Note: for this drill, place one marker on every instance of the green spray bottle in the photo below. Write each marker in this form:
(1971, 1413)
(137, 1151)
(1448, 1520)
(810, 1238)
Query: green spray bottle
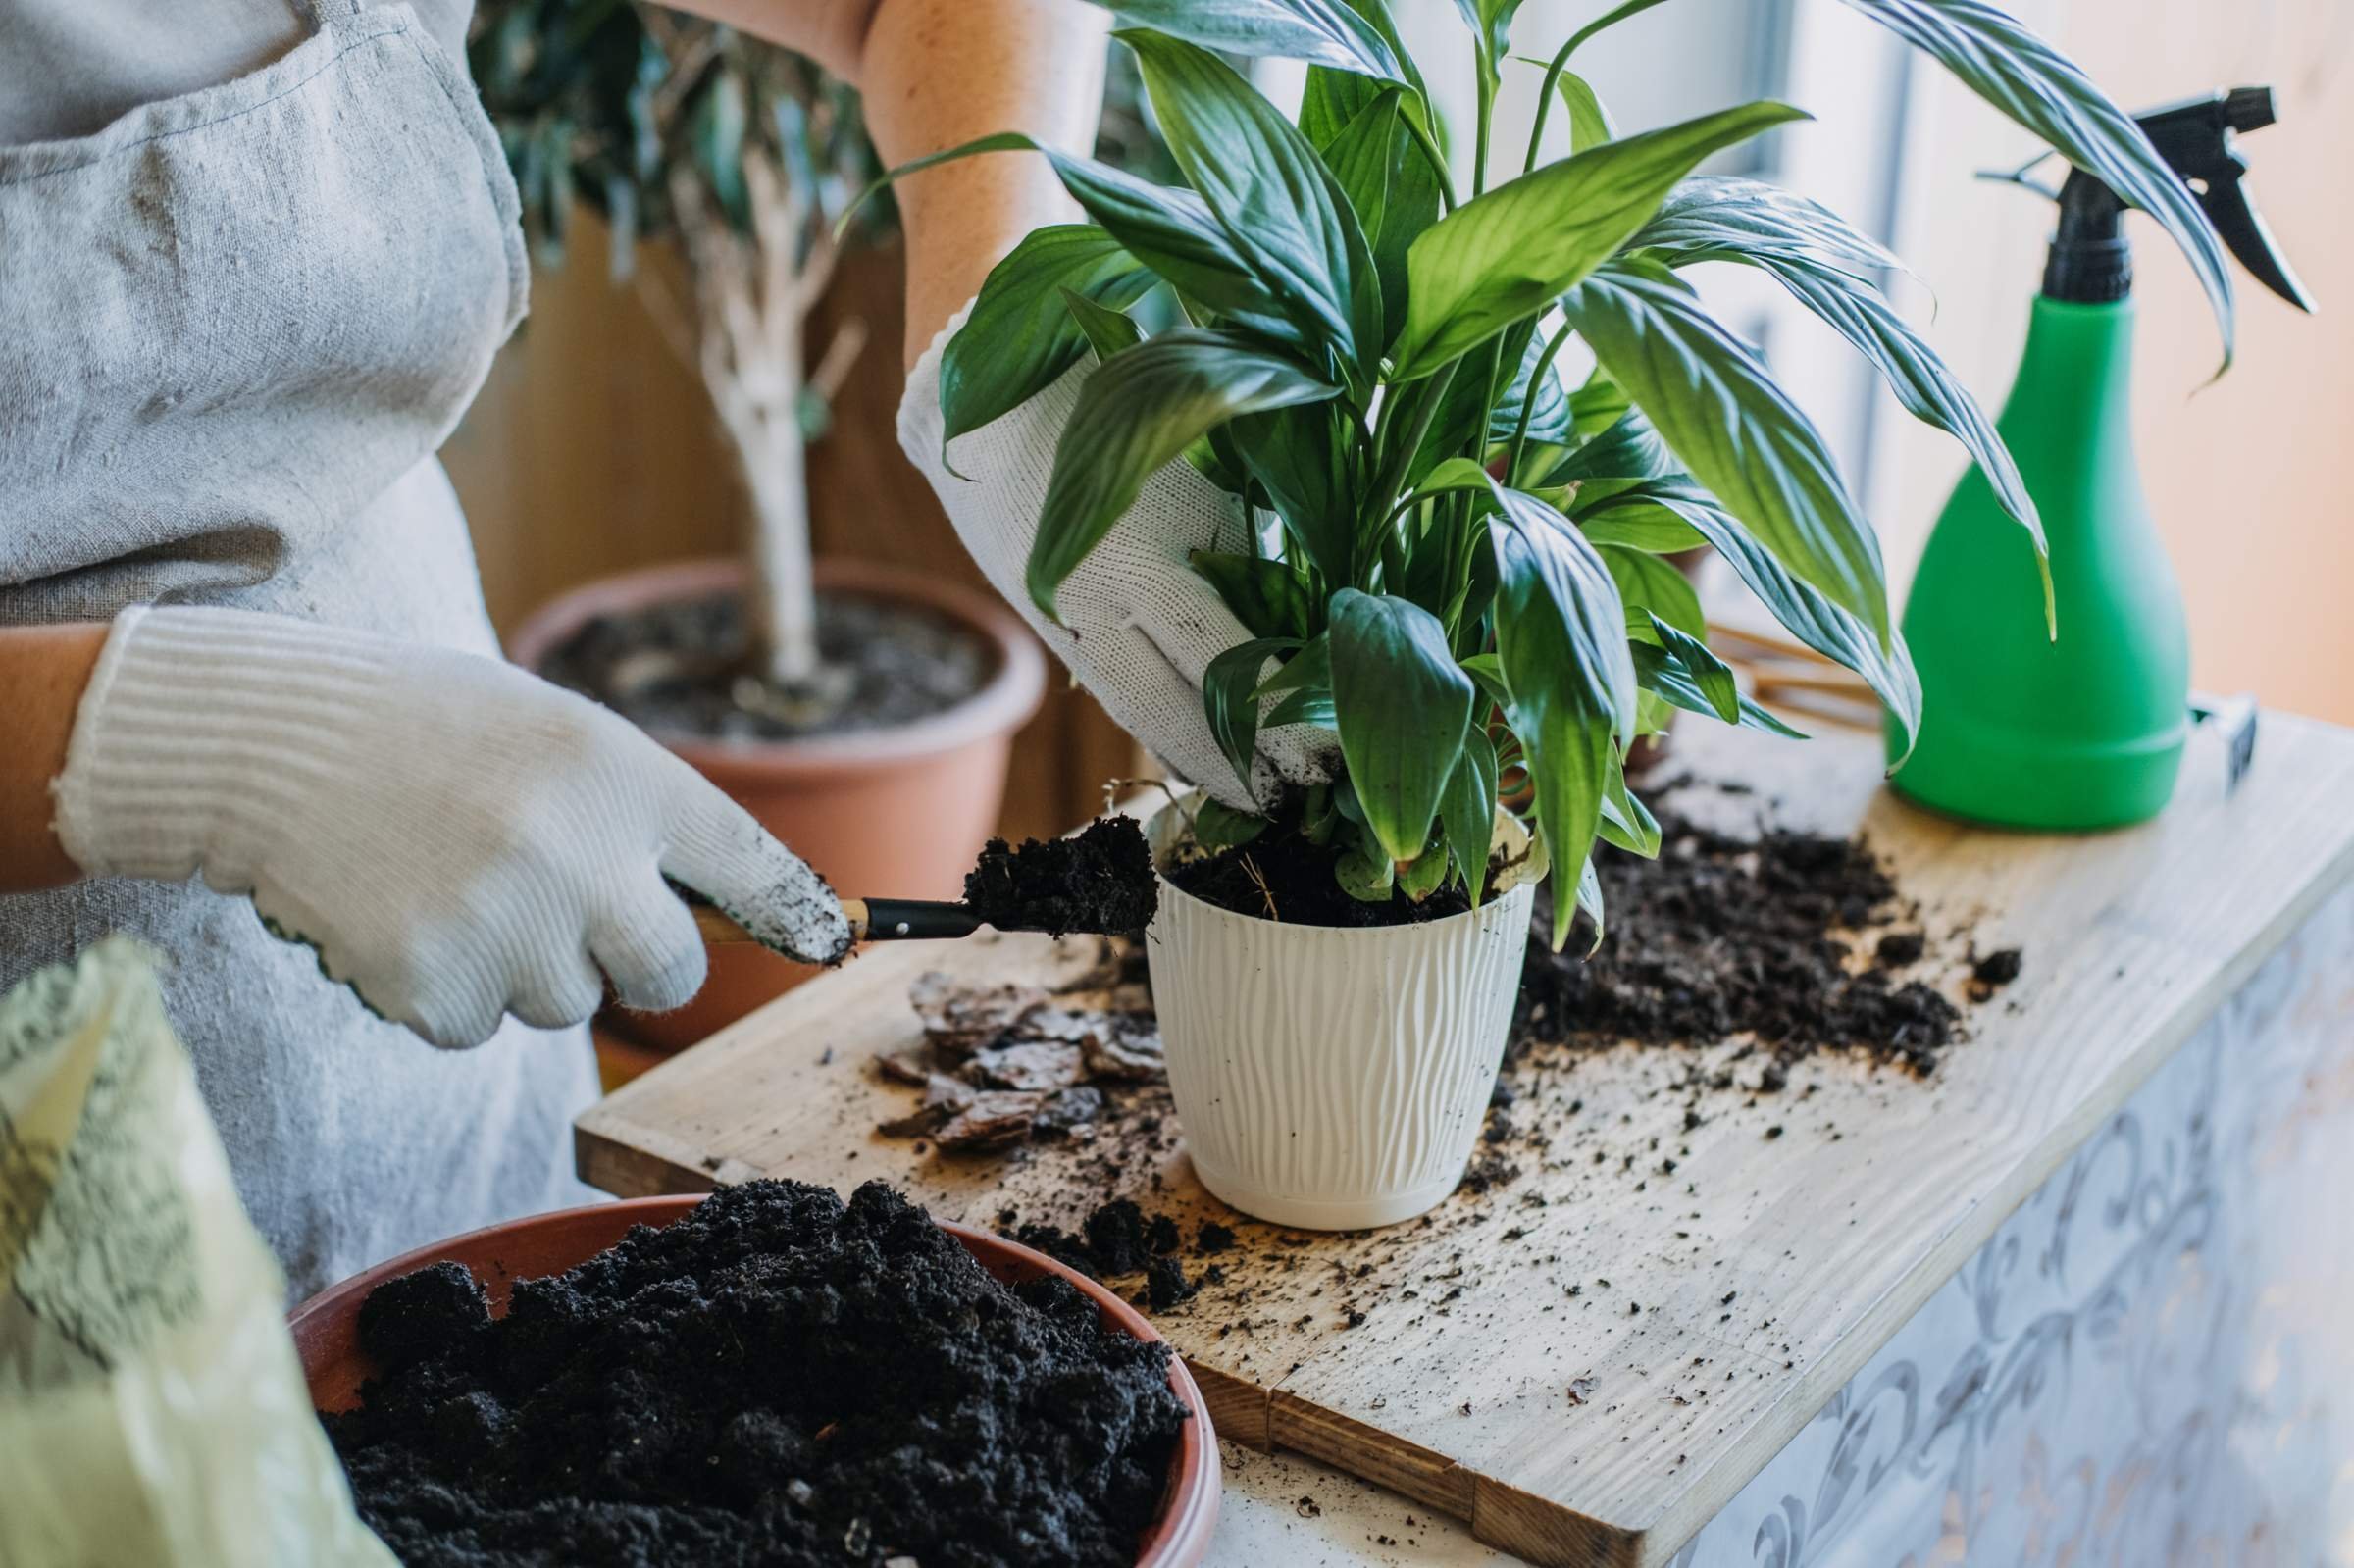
(2084, 731)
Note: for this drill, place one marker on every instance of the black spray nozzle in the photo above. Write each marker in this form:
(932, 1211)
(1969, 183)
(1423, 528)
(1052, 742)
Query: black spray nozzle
(2089, 259)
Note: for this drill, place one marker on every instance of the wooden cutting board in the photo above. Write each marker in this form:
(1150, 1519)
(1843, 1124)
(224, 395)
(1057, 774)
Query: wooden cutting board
(1590, 1357)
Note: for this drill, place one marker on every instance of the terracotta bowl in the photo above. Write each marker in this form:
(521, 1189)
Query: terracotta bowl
(325, 1332)
(897, 812)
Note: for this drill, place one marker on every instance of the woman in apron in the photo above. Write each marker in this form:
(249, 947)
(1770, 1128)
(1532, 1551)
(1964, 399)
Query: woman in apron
(255, 258)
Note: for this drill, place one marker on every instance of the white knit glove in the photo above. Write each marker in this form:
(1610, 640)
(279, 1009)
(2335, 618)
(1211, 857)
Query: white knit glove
(457, 838)
(1138, 624)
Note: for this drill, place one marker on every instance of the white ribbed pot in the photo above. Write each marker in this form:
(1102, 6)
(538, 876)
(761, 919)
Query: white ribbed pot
(1327, 1078)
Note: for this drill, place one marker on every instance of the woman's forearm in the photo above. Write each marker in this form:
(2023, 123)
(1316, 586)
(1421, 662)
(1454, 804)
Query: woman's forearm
(935, 74)
(43, 672)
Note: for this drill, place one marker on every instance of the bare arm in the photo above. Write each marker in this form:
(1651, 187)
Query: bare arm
(43, 671)
(938, 73)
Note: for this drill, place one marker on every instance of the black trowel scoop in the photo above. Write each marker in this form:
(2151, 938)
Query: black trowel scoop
(1099, 881)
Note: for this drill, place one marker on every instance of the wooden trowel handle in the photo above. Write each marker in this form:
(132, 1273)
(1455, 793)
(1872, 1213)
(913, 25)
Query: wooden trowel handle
(871, 920)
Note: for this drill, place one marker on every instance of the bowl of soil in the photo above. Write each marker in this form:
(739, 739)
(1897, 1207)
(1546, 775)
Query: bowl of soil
(1331, 1059)
(886, 779)
(768, 1375)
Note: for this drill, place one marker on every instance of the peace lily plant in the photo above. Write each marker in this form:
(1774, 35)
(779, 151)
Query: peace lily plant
(1461, 565)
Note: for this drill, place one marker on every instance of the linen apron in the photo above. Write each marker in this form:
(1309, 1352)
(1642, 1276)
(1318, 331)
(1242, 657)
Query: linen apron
(234, 328)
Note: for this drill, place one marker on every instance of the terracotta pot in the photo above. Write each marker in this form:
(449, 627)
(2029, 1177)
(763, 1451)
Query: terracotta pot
(901, 813)
(325, 1332)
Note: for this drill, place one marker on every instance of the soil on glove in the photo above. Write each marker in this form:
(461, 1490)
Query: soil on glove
(1100, 880)
(1728, 934)
(778, 1377)
(1281, 876)
(677, 667)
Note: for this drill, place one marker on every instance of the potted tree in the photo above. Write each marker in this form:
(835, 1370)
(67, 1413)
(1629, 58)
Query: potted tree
(864, 715)
(1456, 563)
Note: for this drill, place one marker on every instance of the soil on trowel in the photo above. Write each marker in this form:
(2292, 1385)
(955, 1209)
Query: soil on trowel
(676, 668)
(1797, 938)
(778, 1377)
(1099, 881)
(1280, 876)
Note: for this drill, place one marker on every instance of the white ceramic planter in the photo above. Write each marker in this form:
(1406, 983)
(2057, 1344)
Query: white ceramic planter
(1333, 1079)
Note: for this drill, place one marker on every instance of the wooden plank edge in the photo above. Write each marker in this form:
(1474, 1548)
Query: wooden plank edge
(643, 1163)
(1369, 1453)
(1238, 1408)
(1548, 1534)
(1711, 1488)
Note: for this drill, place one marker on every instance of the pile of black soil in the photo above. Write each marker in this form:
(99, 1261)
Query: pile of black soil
(1281, 876)
(779, 1377)
(1725, 933)
(678, 669)
(1119, 1239)
(1100, 880)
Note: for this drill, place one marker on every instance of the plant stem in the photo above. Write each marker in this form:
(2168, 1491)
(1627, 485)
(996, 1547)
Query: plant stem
(1435, 158)
(1394, 462)
(1561, 63)
(1487, 116)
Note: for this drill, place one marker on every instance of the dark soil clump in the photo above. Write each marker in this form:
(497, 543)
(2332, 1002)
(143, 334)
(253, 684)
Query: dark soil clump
(779, 1377)
(1281, 876)
(678, 669)
(1724, 934)
(1100, 880)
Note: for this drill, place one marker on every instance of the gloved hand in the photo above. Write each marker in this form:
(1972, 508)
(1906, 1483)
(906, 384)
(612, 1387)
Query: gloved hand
(458, 838)
(1138, 624)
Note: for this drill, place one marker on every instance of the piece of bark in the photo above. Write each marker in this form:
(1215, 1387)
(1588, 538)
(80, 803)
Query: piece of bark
(994, 1120)
(1073, 1111)
(959, 1019)
(1125, 1051)
(1041, 1065)
(945, 1098)
(906, 1067)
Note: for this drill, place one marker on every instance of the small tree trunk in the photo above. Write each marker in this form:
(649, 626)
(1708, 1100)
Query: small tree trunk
(780, 608)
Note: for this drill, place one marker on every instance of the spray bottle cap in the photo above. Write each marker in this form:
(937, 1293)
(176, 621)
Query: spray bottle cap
(2090, 262)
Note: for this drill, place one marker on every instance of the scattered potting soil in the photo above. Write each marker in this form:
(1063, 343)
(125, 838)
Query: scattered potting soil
(676, 668)
(1099, 881)
(1727, 934)
(1118, 1239)
(1281, 876)
(779, 1377)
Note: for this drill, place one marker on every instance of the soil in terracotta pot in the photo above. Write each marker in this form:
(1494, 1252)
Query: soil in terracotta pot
(1100, 880)
(1281, 876)
(677, 669)
(778, 1377)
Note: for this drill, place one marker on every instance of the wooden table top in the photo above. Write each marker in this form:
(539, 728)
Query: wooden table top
(1591, 1357)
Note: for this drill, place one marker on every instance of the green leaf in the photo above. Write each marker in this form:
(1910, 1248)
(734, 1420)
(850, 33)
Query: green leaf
(1491, 25)
(1107, 330)
(1459, 412)
(1140, 410)
(1733, 218)
(1711, 675)
(1266, 596)
(1597, 405)
(1308, 705)
(1651, 586)
(1365, 871)
(1808, 615)
(1467, 810)
(1219, 826)
(1394, 192)
(1505, 255)
(1308, 668)
(1323, 32)
(1227, 684)
(1295, 454)
(1282, 209)
(1425, 873)
(1589, 899)
(1404, 707)
(2039, 88)
(1590, 123)
(1666, 676)
(1167, 228)
(1736, 432)
(1625, 821)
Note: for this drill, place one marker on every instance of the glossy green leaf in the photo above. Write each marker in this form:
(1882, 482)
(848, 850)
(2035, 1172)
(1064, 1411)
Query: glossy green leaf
(1806, 613)
(1227, 685)
(1365, 871)
(1590, 122)
(1625, 821)
(1324, 33)
(1219, 826)
(1308, 668)
(1107, 330)
(1506, 255)
(1266, 596)
(1738, 432)
(1392, 191)
(1663, 674)
(1404, 707)
(1467, 810)
(1283, 212)
(1733, 218)
(1295, 456)
(1139, 411)
(2041, 89)
(1711, 675)
(1651, 585)
(1425, 873)
(1589, 904)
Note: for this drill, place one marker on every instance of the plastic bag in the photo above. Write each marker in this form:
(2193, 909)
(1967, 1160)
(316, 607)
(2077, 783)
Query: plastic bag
(152, 1411)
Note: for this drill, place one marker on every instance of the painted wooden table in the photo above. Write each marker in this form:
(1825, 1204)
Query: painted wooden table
(1684, 1301)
